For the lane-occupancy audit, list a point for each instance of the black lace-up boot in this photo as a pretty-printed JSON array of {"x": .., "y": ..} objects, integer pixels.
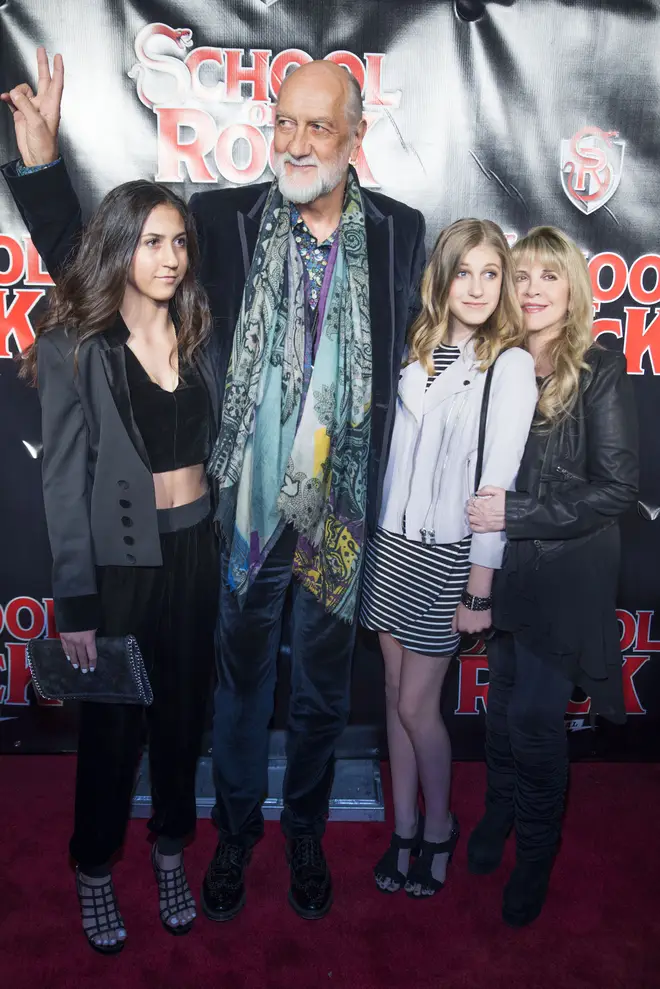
[
  {"x": 223, "y": 889},
  {"x": 310, "y": 893}
]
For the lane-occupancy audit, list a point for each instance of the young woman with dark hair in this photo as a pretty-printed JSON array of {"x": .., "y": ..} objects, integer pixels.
[{"x": 128, "y": 420}]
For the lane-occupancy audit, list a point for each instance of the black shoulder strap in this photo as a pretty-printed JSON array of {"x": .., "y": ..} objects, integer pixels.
[{"x": 482, "y": 427}]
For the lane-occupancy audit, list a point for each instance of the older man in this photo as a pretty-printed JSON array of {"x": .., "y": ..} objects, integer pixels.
[{"x": 312, "y": 282}]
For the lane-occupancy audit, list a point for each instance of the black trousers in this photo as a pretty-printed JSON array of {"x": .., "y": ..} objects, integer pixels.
[
  {"x": 247, "y": 646},
  {"x": 526, "y": 746},
  {"x": 171, "y": 610}
]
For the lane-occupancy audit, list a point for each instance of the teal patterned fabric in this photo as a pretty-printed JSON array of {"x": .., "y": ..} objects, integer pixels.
[
  {"x": 22, "y": 169},
  {"x": 274, "y": 463}
]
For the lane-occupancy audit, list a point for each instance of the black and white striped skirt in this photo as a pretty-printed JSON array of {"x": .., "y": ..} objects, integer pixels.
[{"x": 412, "y": 591}]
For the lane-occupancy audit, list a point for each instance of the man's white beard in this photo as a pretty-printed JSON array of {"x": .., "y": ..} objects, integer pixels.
[{"x": 302, "y": 190}]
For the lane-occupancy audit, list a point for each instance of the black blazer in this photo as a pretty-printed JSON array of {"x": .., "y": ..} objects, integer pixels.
[
  {"x": 97, "y": 481},
  {"x": 227, "y": 224}
]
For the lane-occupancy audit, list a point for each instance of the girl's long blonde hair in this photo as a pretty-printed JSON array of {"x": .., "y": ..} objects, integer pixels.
[
  {"x": 551, "y": 248},
  {"x": 503, "y": 329}
]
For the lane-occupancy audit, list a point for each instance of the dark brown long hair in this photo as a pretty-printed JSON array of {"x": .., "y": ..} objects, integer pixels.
[{"x": 89, "y": 293}]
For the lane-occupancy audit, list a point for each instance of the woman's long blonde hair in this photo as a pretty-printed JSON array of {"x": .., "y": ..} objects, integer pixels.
[
  {"x": 503, "y": 329},
  {"x": 554, "y": 250}
]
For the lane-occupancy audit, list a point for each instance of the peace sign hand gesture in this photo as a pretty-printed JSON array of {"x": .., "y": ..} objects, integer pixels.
[{"x": 37, "y": 118}]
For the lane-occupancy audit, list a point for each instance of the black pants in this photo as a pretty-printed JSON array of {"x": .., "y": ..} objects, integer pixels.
[
  {"x": 321, "y": 652},
  {"x": 171, "y": 610},
  {"x": 526, "y": 747}
]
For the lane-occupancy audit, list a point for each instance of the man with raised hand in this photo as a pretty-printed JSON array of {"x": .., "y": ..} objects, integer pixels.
[{"x": 312, "y": 282}]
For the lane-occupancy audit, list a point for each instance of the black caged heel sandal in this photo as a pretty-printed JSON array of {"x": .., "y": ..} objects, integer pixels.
[
  {"x": 100, "y": 916},
  {"x": 389, "y": 879},
  {"x": 420, "y": 873},
  {"x": 175, "y": 896}
]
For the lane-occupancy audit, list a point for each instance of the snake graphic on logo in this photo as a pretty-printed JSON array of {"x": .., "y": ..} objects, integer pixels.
[{"x": 591, "y": 166}]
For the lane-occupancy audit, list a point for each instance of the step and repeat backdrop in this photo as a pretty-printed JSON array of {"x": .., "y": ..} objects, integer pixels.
[{"x": 527, "y": 112}]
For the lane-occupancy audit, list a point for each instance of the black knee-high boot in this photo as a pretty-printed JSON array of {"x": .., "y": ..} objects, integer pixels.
[{"x": 486, "y": 843}]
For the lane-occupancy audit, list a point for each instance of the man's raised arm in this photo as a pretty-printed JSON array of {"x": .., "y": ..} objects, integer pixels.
[{"x": 38, "y": 181}]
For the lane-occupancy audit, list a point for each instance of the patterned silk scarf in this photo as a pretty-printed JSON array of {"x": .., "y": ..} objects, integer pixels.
[{"x": 278, "y": 463}]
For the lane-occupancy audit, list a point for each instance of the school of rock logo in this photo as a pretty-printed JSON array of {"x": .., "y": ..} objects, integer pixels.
[
  {"x": 637, "y": 647},
  {"x": 637, "y": 325},
  {"x": 214, "y": 106},
  {"x": 23, "y": 283},
  {"x": 591, "y": 166},
  {"x": 21, "y": 620}
]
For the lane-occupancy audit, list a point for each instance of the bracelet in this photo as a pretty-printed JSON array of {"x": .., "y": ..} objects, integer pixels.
[{"x": 473, "y": 603}]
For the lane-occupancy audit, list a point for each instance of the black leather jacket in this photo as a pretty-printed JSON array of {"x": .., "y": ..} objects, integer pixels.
[
  {"x": 579, "y": 477},
  {"x": 557, "y": 589}
]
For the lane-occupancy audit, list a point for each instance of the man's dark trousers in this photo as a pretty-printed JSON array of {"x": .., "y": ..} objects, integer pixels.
[{"x": 247, "y": 647}]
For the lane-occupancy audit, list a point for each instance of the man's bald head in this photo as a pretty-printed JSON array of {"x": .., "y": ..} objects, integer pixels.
[
  {"x": 318, "y": 130},
  {"x": 336, "y": 79}
]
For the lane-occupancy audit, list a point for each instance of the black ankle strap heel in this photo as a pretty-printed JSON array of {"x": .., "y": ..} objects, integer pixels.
[
  {"x": 389, "y": 879},
  {"x": 420, "y": 873}
]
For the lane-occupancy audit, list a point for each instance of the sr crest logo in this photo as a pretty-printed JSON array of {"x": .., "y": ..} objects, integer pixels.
[{"x": 591, "y": 167}]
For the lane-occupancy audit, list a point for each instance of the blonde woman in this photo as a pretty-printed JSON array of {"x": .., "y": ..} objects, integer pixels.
[
  {"x": 426, "y": 578},
  {"x": 554, "y": 600}
]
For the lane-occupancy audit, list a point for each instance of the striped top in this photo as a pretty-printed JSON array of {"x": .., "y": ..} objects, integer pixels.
[{"x": 443, "y": 356}]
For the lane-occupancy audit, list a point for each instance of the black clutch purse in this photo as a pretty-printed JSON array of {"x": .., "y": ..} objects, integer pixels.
[{"x": 119, "y": 677}]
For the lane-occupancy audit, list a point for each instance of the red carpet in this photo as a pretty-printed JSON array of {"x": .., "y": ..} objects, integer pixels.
[{"x": 600, "y": 927}]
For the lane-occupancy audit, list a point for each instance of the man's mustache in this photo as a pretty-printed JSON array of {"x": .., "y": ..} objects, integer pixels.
[{"x": 286, "y": 157}]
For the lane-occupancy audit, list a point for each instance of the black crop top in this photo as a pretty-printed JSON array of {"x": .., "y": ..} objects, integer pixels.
[{"x": 174, "y": 425}]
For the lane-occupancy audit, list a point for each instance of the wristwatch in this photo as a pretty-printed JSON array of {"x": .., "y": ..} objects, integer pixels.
[{"x": 473, "y": 603}]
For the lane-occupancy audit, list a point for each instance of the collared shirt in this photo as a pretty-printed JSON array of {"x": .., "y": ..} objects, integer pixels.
[{"x": 314, "y": 256}]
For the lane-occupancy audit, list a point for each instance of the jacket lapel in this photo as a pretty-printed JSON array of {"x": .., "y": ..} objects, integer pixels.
[
  {"x": 114, "y": 362},
  {"x": 458, "y": 378},
  {"x": 204, "y": 363},
  {"x": 248, "y": 230},
  {"x": 412, "y": 385},
  {"x": 380, "y": 250}
]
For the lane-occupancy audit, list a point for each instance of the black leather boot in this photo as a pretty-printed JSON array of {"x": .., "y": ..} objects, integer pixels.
[
  {"x": 486, "y": 843},
  {"x": 525, "y": 892}
]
